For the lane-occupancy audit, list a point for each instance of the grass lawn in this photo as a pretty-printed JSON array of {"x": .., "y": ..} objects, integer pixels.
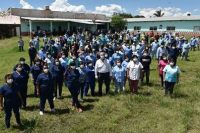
[{"x": 148, "y": 112}]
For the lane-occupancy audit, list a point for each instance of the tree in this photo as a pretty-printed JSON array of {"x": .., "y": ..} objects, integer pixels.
[
  {"x": 159, "y": 13},
  {"x": 118, "y": 22},
  {"x": 138, "y": 16}
]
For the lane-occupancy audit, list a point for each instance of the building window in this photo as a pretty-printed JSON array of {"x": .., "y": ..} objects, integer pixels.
[
  {"x": 196, "y": 29},
  {"x": 153, "y": 28},
  {"x": 137, "y": 27},
  {"x": 170, "y": 28}
]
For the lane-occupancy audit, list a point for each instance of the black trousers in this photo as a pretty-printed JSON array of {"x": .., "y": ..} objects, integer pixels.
[
  {"x": 8, "y": 111},
  {"x": 58, "y": 84},
  {"x": 104, "y": 77},
  {"x": 43, "y": 98},
  {"x": 74, "y": 90},
  {"x": 145, "y": 73},
  {"x": 23, "y": 93},
  {"x": 169, "y": 87}
]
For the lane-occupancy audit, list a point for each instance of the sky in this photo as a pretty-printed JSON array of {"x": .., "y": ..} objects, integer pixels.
[{"x": 108, "y": 7}]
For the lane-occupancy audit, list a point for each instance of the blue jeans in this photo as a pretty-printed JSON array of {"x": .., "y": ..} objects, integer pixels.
[{"x": 119, "y": 86}]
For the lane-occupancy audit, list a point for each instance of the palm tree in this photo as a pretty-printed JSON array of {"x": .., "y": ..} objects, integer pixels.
[{"x": 159, "y": 13}]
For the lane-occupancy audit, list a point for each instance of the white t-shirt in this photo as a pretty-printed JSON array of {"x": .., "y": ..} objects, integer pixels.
[{"x": 134, "y": 70}]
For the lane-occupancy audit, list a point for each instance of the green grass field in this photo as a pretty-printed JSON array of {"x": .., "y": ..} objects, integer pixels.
[{"x": 148, "y": 112}]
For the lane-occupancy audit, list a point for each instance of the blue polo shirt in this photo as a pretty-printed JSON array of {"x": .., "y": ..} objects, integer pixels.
[{"x": 10, "y": 95}]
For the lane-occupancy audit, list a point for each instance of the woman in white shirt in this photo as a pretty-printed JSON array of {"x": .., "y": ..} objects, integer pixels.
[{"x": 134, "y": 69}]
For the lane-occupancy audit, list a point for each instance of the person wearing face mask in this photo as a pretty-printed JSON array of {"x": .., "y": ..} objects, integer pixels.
[
  {"x": 73, "y": 84},
  {"x": 119, "y": 74},
  {"x": 171, "y": 76},
  {"x": 41, "y": 53},
  {"x": 74, "y": 59},
  {"x": 36, "y": 69},
  {"x": 103, "y": 73},
  {"x": 134, "y": 69},
  {"x": 124, "y": 64},
  {"x": 90, "y": 79},
  {"x": 161, "y": 65},
  {"x": 116, "y": 56},
  {"x": 9, "y": 93},
  {"x": 161, "y": 51},
  {"x": 146, "y": 62},
  {"x": 185, "y": 50},
  {"x": 20, "y": 79},
  {"x": 49, "y": 60},
  {"x": 173, "y": 52},
  {"x": 63, "y": 61},
  {"x": 32, "y": 54},
  {"x": 90, "y": 58},
  {"x": 57, "y": 72},
  {"x": 82, "y": 79},
  {"x": 45, "y": 89}
]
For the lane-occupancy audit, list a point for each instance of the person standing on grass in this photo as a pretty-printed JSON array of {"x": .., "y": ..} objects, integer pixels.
[
  {"x": 90, "y": 79},
  {"x": 72, "y": 76},
  {"x": 45, "y": 89},
  {"x": 25, "y": 70},
  {"x": 103, "y": 73},
  {"x": 146, "y": 62},
  {"x": 161, "y": 65},
  {"x": 20, "y": 78},
  {"x": 185, "y": 50},
  {"x": 119, "y": 74},
  {"x": 32, "y": 54},
  {"x": 171, "y": 77},
  {"x": 134, "y": 70},
  {"x": 36, "y": 70},
  {"x": 161, "y": 51},
  {"x": 9, "y": 93},
  {"x": 124, "y": 64},
  {"x": 21, "y": 44},
  {"x": 57, "y": 72}
]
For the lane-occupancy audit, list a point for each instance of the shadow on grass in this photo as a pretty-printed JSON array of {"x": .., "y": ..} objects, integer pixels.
[
  {"x": 91, "y": 100},
  {"x": 27, "y": 125},
  {"x": 88, "y": 107},
  {"x": 59, "y": 112},
  {"x": 32, "y": 108},
  {"x": 144, "y": 93},
  {"x": 32, "y": 96},
  {"x": 179, "y": 96}
]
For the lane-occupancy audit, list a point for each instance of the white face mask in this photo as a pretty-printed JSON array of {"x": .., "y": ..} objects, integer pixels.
[
  {"x": 118, "y": 64},
  {"x": 63, "y": 56},
  {"x": 22, "y": 62},
  {"x": 46, "y": 70},
  {"x": 9, "y": 81},
  {"x": 106, "y": 55},
  {"x": 19, "y": 69},
  {"x": 165, "y": 58},
  {"x": 145, "y": 54},
  {"x": 126, "y": 60},
  {"x": 49, "y": 56},
  {"x": 102, "y": 57},
  {"x": 90, "y": 65},
  {"x": 37, "y": 63},
  {"x": 171, "y": 64},
  {"x": 57, "y": 63},
  {"x": 81, "y": 66},
  {"x": 135, "y": 59},
  {"x": 73, "y": 67},
  {"x": 91, "y": 54}
]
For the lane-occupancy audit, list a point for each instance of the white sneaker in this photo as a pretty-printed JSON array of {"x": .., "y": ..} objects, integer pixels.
[
  {"x": 41, "y": 113},
  {"x": 123, "y": 88},
  {"x": 53, "y": 110},
  {"x": 54, "y": 98}
]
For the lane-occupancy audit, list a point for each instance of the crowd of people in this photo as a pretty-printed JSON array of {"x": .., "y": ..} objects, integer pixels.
[{"x": 80, "y": 59}]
